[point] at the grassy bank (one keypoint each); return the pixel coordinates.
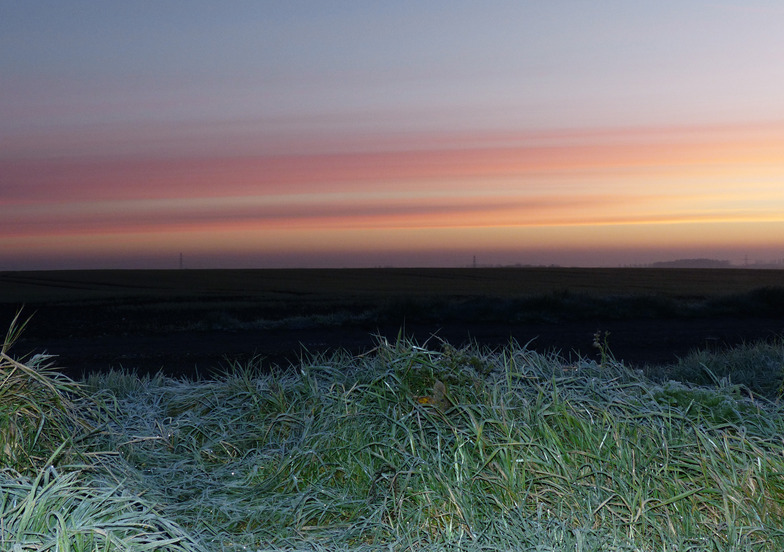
(406, 447)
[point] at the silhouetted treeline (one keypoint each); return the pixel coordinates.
(692, 263)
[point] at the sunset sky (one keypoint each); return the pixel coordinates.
(356, 133)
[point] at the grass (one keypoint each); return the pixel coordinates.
(40, 409)
(56, 491)
(63, 511)
(408, 447)
(752, 369)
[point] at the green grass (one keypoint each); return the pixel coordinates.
(751, 369)
(405, 447)
(40, 410)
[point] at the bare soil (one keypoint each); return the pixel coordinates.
(638, 342)
(175, 322)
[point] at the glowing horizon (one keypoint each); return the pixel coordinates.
(543, 164)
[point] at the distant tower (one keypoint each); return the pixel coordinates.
(180, 261)
(474, 261)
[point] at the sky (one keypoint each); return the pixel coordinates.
(305, 133)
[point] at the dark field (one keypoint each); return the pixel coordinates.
(194, 321)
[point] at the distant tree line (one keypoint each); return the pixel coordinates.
(692, 263)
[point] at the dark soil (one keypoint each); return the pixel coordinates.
(191, 323)
(638, 342)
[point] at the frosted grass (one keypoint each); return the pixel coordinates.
(435, 448)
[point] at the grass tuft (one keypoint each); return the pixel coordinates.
(40, 410)
(751, 369)
(60, 512)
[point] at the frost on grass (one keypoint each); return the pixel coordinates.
(57, 487)
(56, 512)
(409, 447)
(39, 409)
